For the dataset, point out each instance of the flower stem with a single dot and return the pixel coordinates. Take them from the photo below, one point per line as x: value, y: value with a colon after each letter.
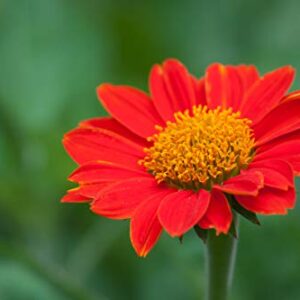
x: 221, y: 253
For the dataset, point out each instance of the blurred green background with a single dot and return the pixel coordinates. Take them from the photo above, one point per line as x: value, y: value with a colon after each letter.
x: 53, y: 53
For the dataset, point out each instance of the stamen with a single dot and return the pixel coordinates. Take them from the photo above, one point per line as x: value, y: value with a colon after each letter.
x: 200, y: 148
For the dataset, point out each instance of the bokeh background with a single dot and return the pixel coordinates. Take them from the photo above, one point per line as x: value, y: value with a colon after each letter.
x: 53, y: 53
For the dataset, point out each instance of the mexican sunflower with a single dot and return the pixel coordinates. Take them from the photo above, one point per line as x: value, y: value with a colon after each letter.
x: 190, y: 152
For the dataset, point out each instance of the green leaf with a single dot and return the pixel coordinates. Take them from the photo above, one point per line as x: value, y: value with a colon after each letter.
x: 249, y: 215
x: 202, y: 233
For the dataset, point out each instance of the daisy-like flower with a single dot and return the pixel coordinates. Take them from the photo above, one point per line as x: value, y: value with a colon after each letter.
x: 190, y: 152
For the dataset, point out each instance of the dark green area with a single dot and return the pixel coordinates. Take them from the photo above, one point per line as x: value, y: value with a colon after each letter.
x: 53, y: 54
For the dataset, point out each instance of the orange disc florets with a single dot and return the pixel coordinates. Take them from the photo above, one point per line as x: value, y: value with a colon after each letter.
x: 200, y: 148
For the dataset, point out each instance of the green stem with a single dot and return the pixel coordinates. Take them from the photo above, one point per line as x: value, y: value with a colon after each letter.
x: 221, y: 253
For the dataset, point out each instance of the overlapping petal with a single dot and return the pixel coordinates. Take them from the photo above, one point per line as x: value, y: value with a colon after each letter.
x: 280, y: 121
x: 266, y: 93
x: 277, y: 173
x: 131, y: 107
x: 199, y: 87
x: 145, y: 227
x: 269, y: 201
x: 119, y: 200
x: 247, y: 183
x: 181, y: 210
x: 102, y: 171
x: 84, y: 192
x: 113, y: 125
x: 172, y: 88
x: 224, y: 86
x: 218, y: 214
x: 90, y: 144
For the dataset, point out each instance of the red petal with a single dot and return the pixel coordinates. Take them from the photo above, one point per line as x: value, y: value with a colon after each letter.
x: 281, y: 120
x: 218, y: 214
x: 119, y: 200
x: 247, y: 183
x: 291, y: 96
x: 74, y: 196
x: 278, y: 150
x: 172, y: 88
x: 224, y: 86
x: 248, y: 74
x: 266, y: 93
x: 285, y: 148
x: 84, y: 192
x: 145, y: 228
x: 199, y: 87
x: 181, y: 210
x: 277, y: 173
x: 90, y: 144
x: 114, y: 126
x: 131, y: 107
x: 101, y: 171
x: 269, y: 201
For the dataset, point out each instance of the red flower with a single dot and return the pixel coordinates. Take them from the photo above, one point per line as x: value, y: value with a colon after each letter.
x: 190, y: 152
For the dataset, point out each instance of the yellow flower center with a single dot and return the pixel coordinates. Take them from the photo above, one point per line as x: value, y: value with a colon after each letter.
x: 200, y: 148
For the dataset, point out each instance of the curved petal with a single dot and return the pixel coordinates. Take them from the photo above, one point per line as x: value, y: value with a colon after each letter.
x: 74, y: 196
x: 199, y: 87
x: 291, y: 96
x: 102, y: 171
x: 172, y: 88
x: 114, y: 126
x: 218, y: 214
x: 285, y: 148
x: 224, y: 86
x: 131, y: 107
x: 145, y: 228
x: 90, y: 144
x: 266, y: 93
x: 119, y: 200
x: 269, y: 201
x: 84, y: 193
x: 181, y: 210
x: 247, y: 183
x: 277, y: 173
x: 249, y: 75
x: 281, y: 120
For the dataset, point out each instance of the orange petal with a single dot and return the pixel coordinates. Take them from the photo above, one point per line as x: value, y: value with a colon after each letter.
x: 266, y: 93
x: 199, y: 87
x: 248, y: 74
x: 85, y: 192
x: 131, y: 107
x: 224, y: 86
x: 90, y: 144
x: 285, y: 148
x: 218, y: 214
x: 119, y: 200
x: 145, y: 228
x: 269, y: 201
x: 281, y: 120
x: 247, y: 183
x: 101, y: 171
x: 291, y: 96
x: 172, y: 88
x: 181, y: 210
x: 114, y: 126
x: 277, y: 173
x: 74, y: 196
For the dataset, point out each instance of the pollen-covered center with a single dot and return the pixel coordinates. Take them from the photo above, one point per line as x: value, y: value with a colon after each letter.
x: 200, y: 148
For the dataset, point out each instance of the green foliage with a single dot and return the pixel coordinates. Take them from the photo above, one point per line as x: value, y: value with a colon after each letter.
x: 53, y: 53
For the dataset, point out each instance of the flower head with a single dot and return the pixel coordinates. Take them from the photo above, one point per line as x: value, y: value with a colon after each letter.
x: 191, y: 151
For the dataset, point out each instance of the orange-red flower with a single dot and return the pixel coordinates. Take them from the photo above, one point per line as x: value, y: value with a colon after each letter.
x: 190, y: 151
